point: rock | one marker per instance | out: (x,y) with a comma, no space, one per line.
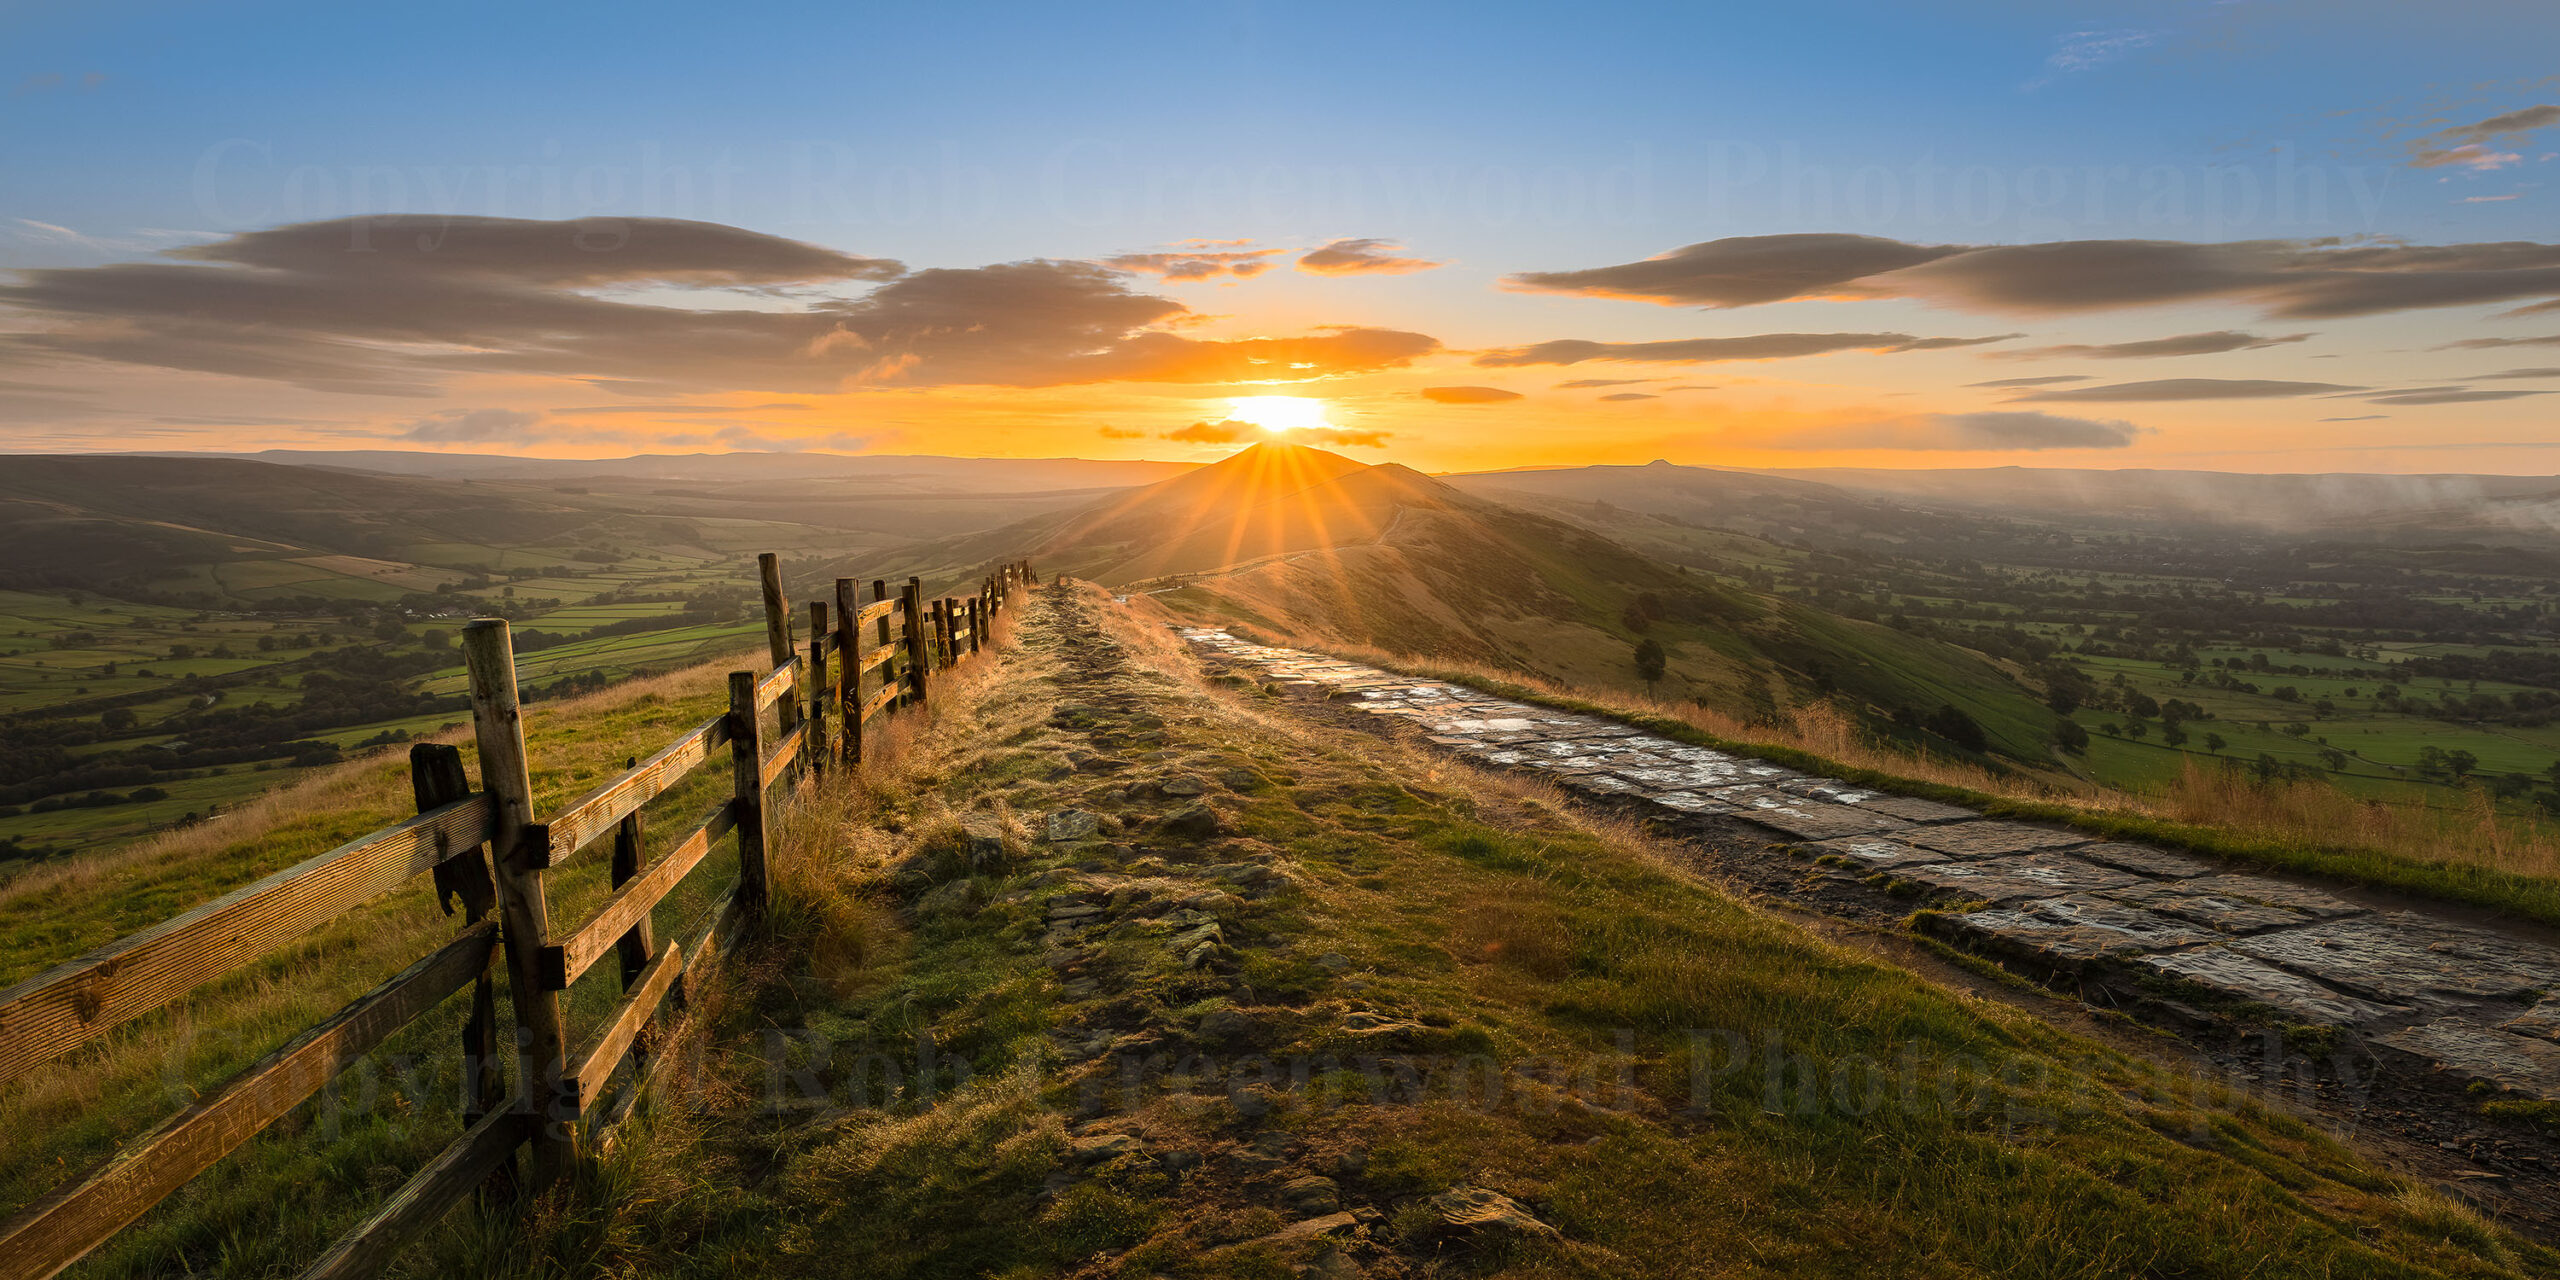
(2473,1052)
(1192,822)
(1334,960)
(1485,1215)
(1229,1027)
(1311,1196)
(1068,825)
(2233,974)
(1331,1264)
(1332,1224)
(1183,787)
(957,898)
(1088,762)
(2018,878)
(1094,1148)
(1988,838)
(1363,1020)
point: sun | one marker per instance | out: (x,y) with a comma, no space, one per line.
(1279,415)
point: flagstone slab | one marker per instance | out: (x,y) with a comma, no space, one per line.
(2241,977)
(1985,838)
(1875,852)
(2014,878)
(2144,860)
(2404,958)
(2474,1052)
(2076,927)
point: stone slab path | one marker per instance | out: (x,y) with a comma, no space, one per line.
(2471,1003)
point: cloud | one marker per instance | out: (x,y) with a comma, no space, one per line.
(1120,433)
(2088,50)
(1741,271)
(395,305)
(1933,432)
(1343,437)
(1631,395)
(1230,431)
(1468,395)
(1199,264)
(1693,386)
(2032,382)
(1760,346)
(2361,417)
(2491,199)
(2189,389)
(2185,344)
(472,426)
(2516,373)
(1361,257)
(1580,383)
(2288,278)
(2486,344)
(2449,395)
(2468,145)
(1227,431)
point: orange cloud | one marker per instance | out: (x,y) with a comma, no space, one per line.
(1468,395)
(1361,257)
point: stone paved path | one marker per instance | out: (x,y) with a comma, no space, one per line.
(2472,1003)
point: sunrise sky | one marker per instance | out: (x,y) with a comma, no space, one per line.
(2237,235)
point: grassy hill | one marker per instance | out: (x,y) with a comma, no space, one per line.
(1300,542)
(1298,1005)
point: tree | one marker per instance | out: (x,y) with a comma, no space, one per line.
(1651,662)
(2461,762)
(2071,736)
(2214,743)
(1951,723)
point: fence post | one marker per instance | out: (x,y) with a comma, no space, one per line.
(888,670)
(918,664)
(849,655)
(777,634)
(977,626)
(497,722)
(945,632)
(746,761)
(822,689)
(639,944)
(437,779)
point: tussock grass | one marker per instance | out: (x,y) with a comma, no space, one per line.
(2466,851)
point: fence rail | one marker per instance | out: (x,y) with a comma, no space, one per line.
(560,1102)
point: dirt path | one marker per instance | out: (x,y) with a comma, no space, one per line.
(2396,1020)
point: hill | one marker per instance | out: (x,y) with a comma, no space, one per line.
(2356,506)
(1301,542)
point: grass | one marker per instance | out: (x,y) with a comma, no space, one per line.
(1446,981)
(2465,851)
(343,1152)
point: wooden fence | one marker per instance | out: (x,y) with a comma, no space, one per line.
(558,1102)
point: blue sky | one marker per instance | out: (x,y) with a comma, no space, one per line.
(1487,139)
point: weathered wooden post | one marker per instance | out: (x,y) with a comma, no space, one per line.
(777,633)
(849,654)
(638,944)
(746,764)
(919,663)
(889,672)
(822,690)
(977,626)
(437,779)
(521,848)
